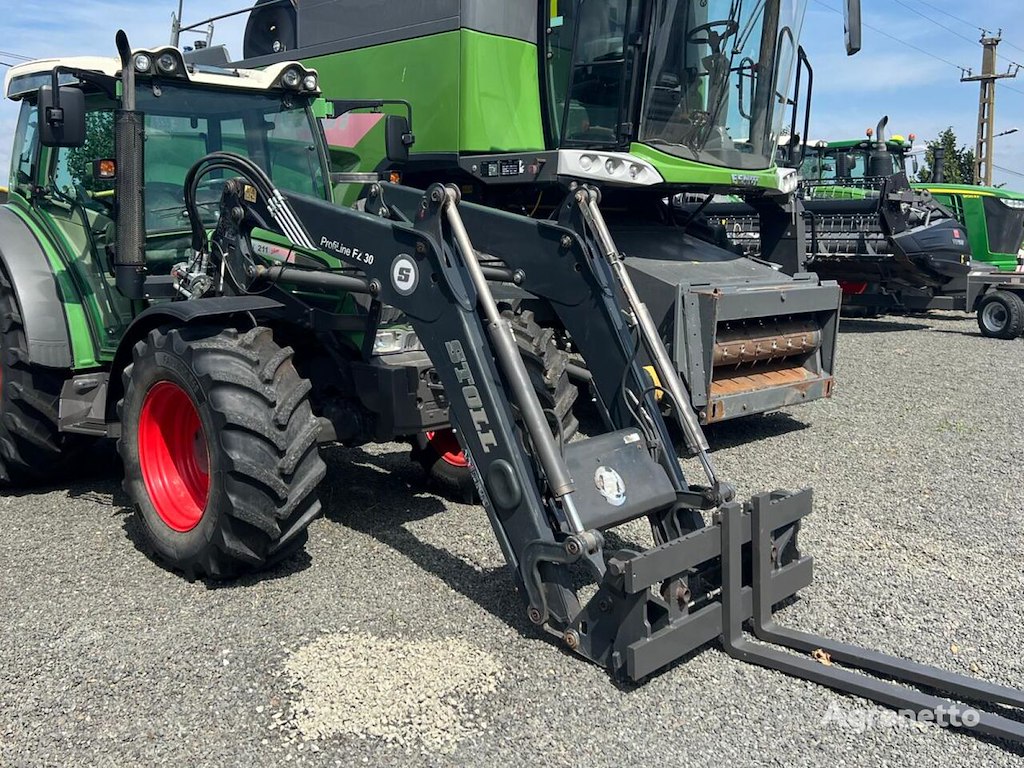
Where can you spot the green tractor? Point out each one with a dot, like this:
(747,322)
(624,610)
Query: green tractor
(217,405)
(646,100)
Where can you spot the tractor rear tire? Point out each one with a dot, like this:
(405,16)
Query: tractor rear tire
(440,454)
(219,446)
(1001,315)
(32,450)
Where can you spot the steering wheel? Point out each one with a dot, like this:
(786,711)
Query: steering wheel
(712,38)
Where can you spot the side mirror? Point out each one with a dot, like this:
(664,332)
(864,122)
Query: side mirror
(61,117)
(852,26)
(397,138)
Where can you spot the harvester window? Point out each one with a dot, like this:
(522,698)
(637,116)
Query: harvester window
(1005,225)
(717,76)
(588,69)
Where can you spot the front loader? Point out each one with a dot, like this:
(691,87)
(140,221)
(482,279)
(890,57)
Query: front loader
(218,417)
(717,564)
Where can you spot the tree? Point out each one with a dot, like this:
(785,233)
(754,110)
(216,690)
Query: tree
(958,162)
(99,145)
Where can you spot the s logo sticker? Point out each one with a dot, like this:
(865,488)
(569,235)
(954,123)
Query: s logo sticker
(405,275)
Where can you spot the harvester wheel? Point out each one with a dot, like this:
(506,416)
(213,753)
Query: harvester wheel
(219,446)
(1001,315)
(440,454)
(32,450)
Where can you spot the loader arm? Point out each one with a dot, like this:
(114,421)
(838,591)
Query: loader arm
(550,504)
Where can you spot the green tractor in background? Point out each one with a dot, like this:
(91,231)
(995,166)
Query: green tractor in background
(992,216)
(520,102)
(992,220)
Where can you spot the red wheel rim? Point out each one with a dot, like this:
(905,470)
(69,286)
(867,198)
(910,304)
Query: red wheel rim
(447,447)
(853,289)
(173,456)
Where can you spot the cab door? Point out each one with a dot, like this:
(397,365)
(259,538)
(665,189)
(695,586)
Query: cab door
(77,209)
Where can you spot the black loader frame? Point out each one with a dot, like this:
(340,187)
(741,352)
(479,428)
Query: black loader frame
(716,563)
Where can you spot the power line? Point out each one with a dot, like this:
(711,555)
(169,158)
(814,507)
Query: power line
(12,55)
(950,15)
(898,40)
(1008,170)
(963,21)
(936,23)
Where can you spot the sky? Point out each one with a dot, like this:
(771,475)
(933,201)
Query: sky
(908,68)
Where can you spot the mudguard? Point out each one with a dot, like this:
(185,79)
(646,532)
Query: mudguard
(35,287)
(177,313)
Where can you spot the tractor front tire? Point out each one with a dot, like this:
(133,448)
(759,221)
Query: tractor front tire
(1001,315)
(440,454)
(219,446)
(32,450)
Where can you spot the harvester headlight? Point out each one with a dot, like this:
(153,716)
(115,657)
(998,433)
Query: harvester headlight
(788,180)
(611,166)
(167,63)
(635,171)
(143,62)
(587,162)
(309,82)
(1010,203)
(291,78)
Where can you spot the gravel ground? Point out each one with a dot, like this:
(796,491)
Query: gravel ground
(398,638)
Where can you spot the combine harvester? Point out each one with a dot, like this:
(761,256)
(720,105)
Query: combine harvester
(525,99)
(198,297)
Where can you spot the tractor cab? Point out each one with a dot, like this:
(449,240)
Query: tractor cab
(66,178)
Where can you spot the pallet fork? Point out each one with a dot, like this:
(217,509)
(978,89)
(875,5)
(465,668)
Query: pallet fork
(554,507)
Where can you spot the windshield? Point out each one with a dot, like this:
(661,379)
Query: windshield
(844,165)
(185,123)
(718,74)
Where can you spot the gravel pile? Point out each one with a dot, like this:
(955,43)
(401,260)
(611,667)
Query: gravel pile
(424,694)
(398,639)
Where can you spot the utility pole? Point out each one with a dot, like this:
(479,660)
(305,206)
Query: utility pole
(986,105)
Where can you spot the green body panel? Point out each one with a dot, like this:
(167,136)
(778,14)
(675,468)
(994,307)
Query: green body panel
(483,93)
(499,94)
(967,201)
(676,170)
(84,352)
